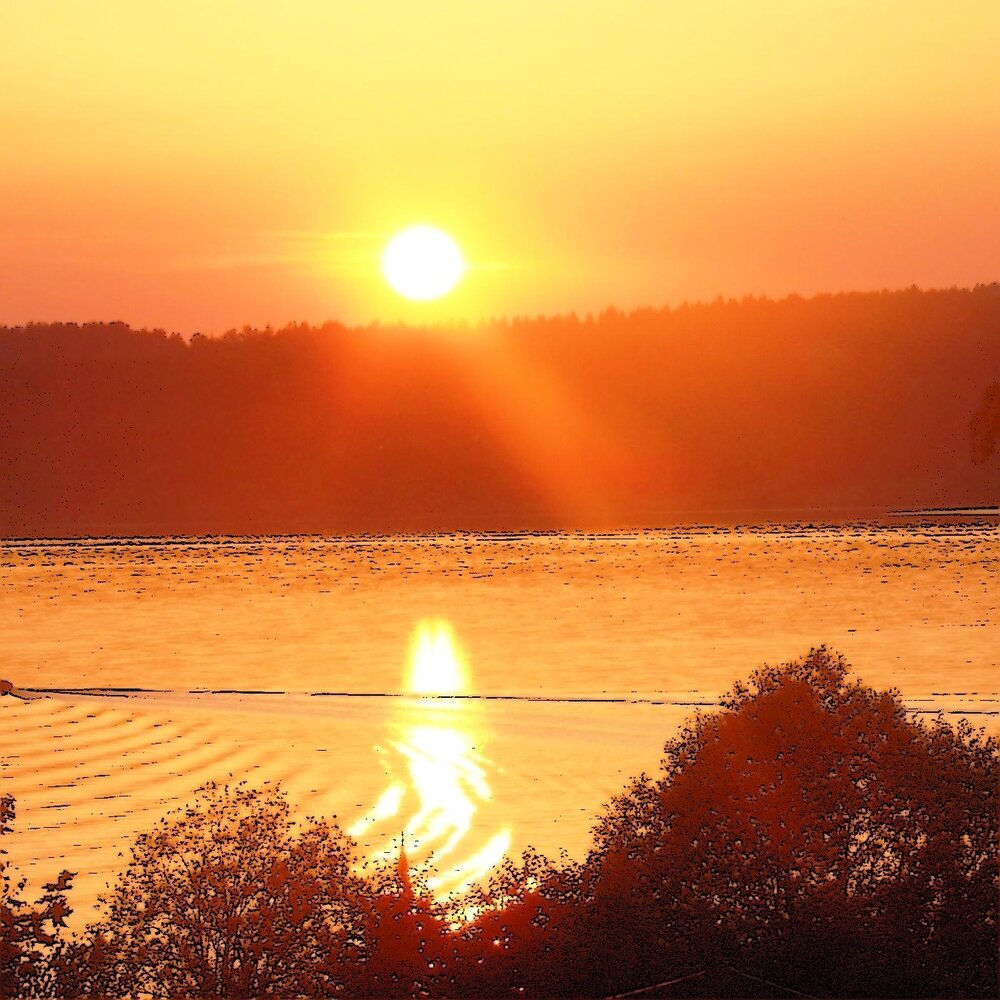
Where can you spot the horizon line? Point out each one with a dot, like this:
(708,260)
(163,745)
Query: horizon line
(481,322)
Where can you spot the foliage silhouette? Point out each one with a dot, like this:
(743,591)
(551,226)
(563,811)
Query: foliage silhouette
(985,425)
(809,837)
(30,934)
(411,948)
(813,833)
(230,898)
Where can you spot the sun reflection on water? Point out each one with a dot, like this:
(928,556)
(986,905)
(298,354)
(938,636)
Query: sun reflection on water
(438,776)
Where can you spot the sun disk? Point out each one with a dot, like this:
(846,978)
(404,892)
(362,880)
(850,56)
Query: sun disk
(422,263)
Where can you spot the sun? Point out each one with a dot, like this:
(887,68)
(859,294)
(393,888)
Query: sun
(422,263)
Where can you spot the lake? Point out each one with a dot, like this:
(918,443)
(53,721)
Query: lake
(473,693)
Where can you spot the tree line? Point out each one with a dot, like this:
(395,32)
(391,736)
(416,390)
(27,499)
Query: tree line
(722,412)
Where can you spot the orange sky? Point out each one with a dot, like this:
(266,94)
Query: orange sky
(202,166)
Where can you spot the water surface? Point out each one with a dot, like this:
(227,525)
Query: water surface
(166,663)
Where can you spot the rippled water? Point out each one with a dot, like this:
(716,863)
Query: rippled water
(580,656)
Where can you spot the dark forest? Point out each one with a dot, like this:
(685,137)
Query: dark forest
(732,411)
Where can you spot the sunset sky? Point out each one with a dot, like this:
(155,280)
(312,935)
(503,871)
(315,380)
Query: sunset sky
(201,166)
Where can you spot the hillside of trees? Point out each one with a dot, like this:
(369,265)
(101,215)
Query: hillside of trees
(808,838)
(722,412)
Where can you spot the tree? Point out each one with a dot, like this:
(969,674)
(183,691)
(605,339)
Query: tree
(29,933)
(517,940)
(229,897)
(814,832)
(985,425)
(412,951)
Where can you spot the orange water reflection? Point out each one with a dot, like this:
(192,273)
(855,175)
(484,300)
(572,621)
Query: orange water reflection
(438,777)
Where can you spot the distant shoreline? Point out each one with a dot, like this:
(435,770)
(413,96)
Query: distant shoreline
(984,511)
(818,518)
(224,697)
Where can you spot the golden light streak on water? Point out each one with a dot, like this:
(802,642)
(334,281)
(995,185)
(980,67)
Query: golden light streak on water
(438,775)
(436,665)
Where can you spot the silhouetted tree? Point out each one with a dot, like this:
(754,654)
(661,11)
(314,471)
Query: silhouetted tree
(985,425)
(815,834)
(30,933)
(229,897)
(518,939)
(411,948)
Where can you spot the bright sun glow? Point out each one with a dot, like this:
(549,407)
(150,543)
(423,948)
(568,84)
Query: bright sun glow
(436,666)
(422,263)
(438,777)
